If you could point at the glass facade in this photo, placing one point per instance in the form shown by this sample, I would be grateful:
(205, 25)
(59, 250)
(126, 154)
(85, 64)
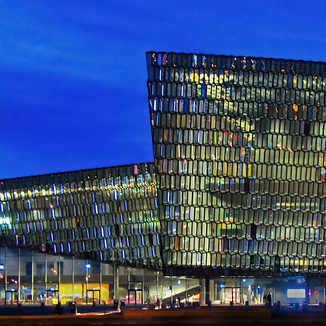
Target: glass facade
(235, 196)
(109, 215)
(91, 235)
(240, 152)
(36, 277)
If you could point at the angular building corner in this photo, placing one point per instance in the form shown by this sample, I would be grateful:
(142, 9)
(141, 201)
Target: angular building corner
(240, 152)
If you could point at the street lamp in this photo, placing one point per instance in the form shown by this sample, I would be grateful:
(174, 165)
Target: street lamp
(2, 268)
(87, 266)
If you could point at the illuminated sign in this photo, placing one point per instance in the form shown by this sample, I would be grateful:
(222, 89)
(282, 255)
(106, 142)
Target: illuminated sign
(296, 293)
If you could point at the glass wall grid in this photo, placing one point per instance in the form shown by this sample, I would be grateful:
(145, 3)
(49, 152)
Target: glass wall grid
(240, 152)
(108, 214)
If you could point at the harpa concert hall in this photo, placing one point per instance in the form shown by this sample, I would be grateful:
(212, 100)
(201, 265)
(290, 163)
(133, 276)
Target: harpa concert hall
(232, 208)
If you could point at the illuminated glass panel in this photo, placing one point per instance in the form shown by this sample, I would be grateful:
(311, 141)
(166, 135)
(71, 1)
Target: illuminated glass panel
(108, 214)
(250, 157)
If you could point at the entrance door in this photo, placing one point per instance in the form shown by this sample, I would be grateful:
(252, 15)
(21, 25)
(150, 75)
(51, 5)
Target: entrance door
(11, 296)
(92, 296)
(135, 293)
(135, 296)
(231, 294)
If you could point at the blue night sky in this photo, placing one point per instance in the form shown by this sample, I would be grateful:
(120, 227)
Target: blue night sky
(73, 91)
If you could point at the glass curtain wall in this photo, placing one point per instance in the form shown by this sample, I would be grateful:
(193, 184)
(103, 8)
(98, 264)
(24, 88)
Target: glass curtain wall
(240, 153)
(32, 277)
(35, 277)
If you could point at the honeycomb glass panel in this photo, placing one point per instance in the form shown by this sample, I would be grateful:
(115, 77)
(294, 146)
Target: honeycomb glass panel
(256, 163)
(93, 214)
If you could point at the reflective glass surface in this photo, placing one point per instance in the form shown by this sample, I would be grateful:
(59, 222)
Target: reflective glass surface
(240, 153)
(108, 214)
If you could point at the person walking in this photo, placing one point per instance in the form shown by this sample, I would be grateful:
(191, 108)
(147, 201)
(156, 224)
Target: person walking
(269, 298)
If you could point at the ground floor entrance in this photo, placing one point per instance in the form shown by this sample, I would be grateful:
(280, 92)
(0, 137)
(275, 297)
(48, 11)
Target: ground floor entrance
(293, 289)
(33, 277)
(231, 294)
